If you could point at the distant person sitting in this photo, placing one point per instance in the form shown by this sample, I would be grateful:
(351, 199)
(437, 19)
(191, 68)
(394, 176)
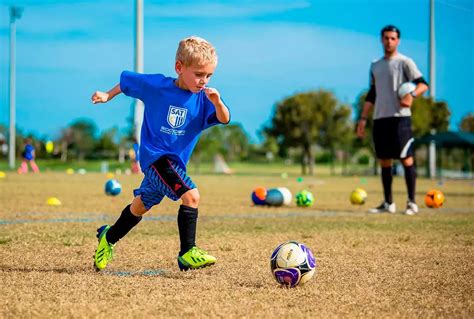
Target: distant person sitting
(28, 156)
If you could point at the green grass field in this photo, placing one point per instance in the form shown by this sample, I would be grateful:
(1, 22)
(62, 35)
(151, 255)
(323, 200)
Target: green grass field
(368, 266)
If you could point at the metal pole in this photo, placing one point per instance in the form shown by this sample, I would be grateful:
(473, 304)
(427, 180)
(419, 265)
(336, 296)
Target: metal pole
(432, 57)
(15, 13)
(139, 107)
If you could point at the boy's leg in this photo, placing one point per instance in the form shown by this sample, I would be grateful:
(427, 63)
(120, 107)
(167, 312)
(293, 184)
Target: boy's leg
(187, 220)
(34, 167)
(130, 217)
(109, 235)
(191, 256)
(23, 168)
(173, 180)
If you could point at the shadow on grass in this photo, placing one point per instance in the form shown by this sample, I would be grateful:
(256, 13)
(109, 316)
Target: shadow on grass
(70, 271)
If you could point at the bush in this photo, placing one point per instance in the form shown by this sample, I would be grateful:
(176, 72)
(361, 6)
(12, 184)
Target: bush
(363, 159)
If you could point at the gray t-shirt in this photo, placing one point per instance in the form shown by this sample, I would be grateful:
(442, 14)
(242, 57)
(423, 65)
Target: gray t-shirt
(388, 75)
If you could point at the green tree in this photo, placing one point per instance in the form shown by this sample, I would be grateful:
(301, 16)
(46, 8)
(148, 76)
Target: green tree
(83, 134)
(428, 115)
(305, 119)
(337, 132)
(105, 145)
(367, 142)
(467, 123)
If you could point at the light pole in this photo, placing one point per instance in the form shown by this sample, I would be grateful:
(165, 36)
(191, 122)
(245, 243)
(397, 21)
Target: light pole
(432, 65)
(139, 107)
(15, 13)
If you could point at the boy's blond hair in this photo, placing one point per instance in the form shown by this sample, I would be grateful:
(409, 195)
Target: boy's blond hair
(196, 50)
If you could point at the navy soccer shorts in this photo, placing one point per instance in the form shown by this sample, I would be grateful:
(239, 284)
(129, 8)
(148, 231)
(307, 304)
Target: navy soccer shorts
(393, 138)
(163, 178)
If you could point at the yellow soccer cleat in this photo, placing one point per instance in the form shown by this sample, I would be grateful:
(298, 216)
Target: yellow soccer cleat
(195, 258)
(104, 252)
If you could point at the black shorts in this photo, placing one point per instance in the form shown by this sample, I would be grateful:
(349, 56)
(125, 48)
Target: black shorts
(393, 138)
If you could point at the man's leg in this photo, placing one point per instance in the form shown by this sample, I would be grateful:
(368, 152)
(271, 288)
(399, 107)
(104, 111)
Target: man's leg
(388, 205)
(387, 178)
(410, 180)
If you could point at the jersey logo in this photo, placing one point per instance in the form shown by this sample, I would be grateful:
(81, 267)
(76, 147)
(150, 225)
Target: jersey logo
(176, 187)
(176, 116)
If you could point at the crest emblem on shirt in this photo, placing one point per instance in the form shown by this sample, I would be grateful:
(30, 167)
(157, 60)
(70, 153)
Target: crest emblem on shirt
(176, 116)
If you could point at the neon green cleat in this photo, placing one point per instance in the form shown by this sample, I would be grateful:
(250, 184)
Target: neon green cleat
(195, 258)
(104, 252)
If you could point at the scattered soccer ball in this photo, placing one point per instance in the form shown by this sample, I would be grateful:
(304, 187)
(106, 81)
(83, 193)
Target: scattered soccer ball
(274, 197)
(112, 187)
(406, 88)
(292, 264)
(358, 196)
(434, 198)
(287, 197)
(304, 199)
(259, 195)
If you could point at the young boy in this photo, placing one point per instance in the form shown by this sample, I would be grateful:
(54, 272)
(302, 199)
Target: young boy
(176, 111)
(28, 156)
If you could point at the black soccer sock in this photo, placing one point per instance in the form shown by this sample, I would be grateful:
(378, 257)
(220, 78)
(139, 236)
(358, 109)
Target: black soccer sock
(187, 222)
(122, 226)
(410, 179)
(387, 183)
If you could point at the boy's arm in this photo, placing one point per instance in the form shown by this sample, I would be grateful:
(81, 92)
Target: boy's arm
(222, 112)
(103, 97)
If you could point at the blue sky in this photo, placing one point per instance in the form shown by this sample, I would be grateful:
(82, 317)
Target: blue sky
(267, 50)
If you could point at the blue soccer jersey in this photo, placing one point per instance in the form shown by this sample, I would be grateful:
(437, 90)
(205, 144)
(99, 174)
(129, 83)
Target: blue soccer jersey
(28, 152)
(173, 120)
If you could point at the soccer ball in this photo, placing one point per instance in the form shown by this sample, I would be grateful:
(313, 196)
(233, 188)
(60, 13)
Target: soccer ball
(112, 187)
(292, 264)
(434, 198)
(304, 199)
(406, 88)
(274, 197)
(287, 197)
(358, 196)
(259, 195)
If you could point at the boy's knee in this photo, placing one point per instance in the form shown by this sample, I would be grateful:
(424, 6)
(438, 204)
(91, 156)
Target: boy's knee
(191, 198)
(138, 208)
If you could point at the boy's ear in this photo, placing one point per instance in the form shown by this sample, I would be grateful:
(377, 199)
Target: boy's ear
(178, 66)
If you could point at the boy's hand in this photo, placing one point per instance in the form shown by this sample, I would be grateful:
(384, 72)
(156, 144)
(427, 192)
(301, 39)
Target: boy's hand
(213, 95)
(100, 97)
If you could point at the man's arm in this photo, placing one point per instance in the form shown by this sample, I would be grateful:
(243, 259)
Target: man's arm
(421, 87)
(103, 97)
(368, 105)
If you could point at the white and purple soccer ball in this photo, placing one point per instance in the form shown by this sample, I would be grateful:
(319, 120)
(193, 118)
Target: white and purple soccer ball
(292, 264)
(406, 88)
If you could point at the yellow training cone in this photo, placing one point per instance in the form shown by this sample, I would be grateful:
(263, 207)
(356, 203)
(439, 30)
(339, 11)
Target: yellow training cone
(69, 171)
(53, 201)
(110, 175)
(2, 174)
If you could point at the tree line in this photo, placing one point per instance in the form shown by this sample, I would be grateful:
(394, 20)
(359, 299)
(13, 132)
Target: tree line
(302, 125)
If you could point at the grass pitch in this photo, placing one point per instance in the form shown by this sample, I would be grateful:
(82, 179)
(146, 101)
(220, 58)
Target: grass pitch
(387, 265)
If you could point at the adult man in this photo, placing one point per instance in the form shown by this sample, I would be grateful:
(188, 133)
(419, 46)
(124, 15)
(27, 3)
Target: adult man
(392, 116)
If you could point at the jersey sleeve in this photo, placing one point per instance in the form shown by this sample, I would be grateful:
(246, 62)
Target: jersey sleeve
(210, 115)
(137, 85)
(411, 70)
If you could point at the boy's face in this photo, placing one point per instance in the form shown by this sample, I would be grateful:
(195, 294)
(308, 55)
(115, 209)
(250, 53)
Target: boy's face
(390, 41)
(194, 77)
